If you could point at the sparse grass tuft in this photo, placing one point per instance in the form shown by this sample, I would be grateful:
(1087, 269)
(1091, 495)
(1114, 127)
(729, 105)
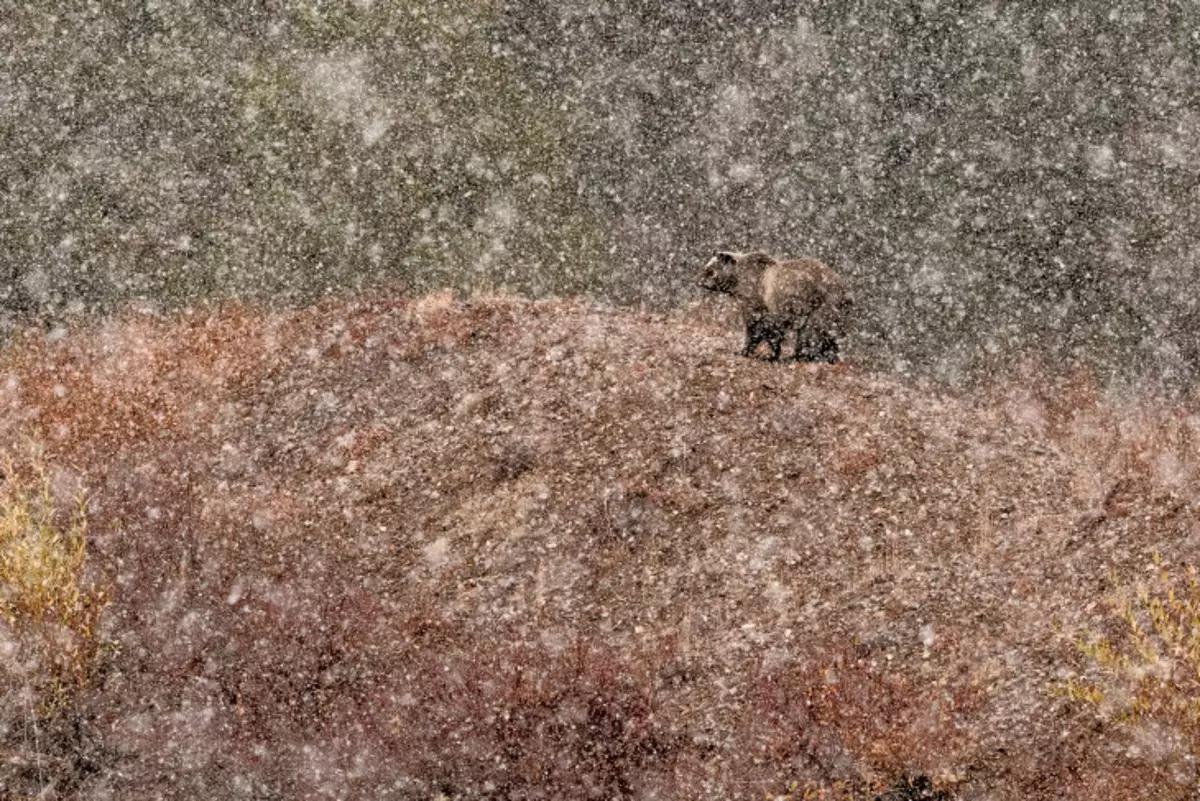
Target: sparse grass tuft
(48, 610)
(50, 646)
(1149, 667)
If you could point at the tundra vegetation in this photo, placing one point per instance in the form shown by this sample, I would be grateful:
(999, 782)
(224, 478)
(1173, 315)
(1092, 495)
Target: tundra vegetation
(448, 546)
(50, 608)
(1142, 671)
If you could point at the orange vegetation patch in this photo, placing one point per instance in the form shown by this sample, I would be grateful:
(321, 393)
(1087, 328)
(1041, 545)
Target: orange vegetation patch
(126, 380)
(138, 378)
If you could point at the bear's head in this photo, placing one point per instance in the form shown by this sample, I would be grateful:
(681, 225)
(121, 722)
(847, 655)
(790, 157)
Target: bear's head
(720, 273)
(723, 270)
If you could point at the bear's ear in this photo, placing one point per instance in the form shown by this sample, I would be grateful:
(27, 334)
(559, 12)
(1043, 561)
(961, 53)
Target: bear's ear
(725, 257)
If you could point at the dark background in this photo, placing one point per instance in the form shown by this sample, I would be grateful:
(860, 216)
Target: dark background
(1004, 180)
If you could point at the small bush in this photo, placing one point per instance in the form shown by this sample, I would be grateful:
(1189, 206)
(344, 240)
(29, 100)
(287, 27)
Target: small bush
(1148, 669)
(49, 612)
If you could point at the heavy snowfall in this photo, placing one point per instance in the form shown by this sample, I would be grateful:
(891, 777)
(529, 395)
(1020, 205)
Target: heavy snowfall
(366, 434)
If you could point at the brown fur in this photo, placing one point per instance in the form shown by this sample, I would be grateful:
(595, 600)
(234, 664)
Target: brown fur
(804, 296)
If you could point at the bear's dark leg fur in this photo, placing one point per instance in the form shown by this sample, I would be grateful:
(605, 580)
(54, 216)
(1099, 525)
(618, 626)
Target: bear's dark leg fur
(820, 347)
(829, 350)
(759, 330)
(776, 343)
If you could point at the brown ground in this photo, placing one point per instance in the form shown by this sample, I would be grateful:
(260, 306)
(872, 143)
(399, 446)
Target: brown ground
(509, 549)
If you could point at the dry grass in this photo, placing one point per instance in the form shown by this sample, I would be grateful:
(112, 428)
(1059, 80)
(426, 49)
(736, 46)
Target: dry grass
(502, 549)
(43, 588)
(49, 621)
(1147, 671)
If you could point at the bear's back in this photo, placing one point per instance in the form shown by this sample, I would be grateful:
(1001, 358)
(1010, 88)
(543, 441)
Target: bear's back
(799, 287)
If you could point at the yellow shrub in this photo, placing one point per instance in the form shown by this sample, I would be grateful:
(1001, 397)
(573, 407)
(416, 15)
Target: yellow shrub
(1150, 668)
(48, 611)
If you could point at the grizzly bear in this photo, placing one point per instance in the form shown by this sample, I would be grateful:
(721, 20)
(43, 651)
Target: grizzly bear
(804, 296)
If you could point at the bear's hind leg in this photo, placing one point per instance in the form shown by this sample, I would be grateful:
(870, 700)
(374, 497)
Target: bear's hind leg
(828, 351)
(815, 347)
